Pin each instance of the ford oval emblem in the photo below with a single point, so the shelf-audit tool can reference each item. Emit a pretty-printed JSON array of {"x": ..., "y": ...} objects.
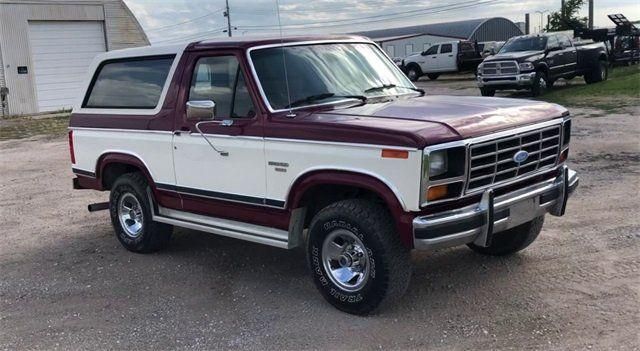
[{"x": 520, "y": 156}]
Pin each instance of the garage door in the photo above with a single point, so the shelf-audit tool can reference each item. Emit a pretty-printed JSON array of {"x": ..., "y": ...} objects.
[{"x": 62, "y": 52}]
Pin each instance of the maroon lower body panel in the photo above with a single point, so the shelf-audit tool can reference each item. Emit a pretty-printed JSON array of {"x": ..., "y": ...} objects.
[{"x": 259, "y": 215}]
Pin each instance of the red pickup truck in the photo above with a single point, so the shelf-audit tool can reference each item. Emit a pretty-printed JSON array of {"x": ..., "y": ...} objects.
[{"x": 314, "y": 142}]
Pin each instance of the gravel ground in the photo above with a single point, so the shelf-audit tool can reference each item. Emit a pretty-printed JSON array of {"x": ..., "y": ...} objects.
[{"x": 65, "y": 282}]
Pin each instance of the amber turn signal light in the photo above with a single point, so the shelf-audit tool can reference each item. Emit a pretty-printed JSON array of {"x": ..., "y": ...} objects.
[
  {"x": 389, "y": 153},
  {"x": 437, "y": 192}
]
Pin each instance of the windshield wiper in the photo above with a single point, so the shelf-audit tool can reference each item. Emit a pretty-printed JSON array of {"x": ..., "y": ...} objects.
[
  {"x": 313, "y": 98},
  {"x": 389, "y": 86}
]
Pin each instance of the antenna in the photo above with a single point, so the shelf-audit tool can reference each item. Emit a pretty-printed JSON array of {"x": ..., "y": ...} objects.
[{"x": 284, "y": 62}]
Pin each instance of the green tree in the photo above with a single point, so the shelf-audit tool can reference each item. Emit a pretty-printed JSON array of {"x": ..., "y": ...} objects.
[{"x": 567, "y": 18}]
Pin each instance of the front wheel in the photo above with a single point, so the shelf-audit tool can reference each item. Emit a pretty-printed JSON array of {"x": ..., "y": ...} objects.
[
  {"x": 540, "y": 84},
  {"x": 413, "y": 72},
  {"x": 512, "y": 240},
  {"x": 356, "y": 258},
  {"x": 131, "y": 216}
]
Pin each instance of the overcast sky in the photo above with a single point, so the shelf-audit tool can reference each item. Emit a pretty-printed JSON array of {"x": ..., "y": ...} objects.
[{"x": 169, "y": 20}]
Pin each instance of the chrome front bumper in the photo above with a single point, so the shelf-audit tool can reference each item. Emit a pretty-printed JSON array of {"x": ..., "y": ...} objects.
[
  {"x": 524, "y": 79},
  {"x": 477, "y": 223}
]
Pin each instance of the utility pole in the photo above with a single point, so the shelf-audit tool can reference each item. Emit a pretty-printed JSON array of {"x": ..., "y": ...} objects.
[
  {"x": 542, "y": 18},
  {"x": 562, "y": 9},
  {"x": 228, "y": 16},
  {"x": 526, "y": 23},
  {"x": 590, "y": 14}
]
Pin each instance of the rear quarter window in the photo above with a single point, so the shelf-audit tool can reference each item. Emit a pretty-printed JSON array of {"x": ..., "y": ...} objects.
[{"x": 133, "y": 83}]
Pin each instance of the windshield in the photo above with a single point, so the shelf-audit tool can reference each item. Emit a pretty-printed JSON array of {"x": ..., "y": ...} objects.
[
  {"x": 323, "y": 73},
  {"x": 525, "y": 44}
]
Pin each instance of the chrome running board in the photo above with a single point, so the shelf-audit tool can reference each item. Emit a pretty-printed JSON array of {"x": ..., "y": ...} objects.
[{"x": 225, "y": 227}]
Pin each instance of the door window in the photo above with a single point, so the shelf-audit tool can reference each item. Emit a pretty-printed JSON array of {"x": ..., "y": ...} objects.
[
  {"x": 432, "y": 50},
  {"x": 553, "y": 42},
  {"x": 220, "y": 79},
  {"x": 565, "y": 42},
  {"x": 446, "y": 48}
]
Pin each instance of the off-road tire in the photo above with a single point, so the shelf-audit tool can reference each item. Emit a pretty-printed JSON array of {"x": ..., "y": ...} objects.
[
  {"x": 487, "y": 92},
  {"x": 389, "y": 260},
  {"x": 598, "y": 74},
  {"x": 512, "y": 240},
  {"x": 153, "y": 236},
  {"x": 540, "y": 84},
  {"x": 433, "y": 76}
]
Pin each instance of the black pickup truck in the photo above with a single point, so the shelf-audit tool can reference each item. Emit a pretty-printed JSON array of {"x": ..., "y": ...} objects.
[{"x": 535, "y": 62}]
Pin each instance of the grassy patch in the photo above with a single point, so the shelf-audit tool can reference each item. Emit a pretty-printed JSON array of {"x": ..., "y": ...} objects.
[
  {"x": 622, "y": 89},
  {"x": 25, "y": 127}
]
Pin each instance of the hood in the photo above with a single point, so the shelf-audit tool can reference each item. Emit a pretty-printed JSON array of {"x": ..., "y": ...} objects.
[
  {"x": 518, "y": 55},
  {"x": 464, "y": 117}
]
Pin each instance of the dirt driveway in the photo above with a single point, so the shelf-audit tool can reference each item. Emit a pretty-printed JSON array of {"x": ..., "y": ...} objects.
[{"x": 65, "y": 282}]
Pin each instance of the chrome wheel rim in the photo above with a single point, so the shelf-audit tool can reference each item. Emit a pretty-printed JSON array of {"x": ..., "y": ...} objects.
[
  {"x": 130, "y": 215},
  {"x": 542, "y": 84},
  {"x": 345, "y": 259}
]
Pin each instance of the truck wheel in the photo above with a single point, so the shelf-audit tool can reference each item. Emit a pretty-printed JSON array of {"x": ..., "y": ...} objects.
[
  {"x": 355, "y": 255},
  {"x": 487, "y": 92},
  {"x": 599, "y": 74},
  {"x": 540, "y": 84},
  {"x": 433, "y": 76},
  {"x": 512, "y": 240},
  {"x": 131, "y": 214},
  {"x": 413, "y": 73}
]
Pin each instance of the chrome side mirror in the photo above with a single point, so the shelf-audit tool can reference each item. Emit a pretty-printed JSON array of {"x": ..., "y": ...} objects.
[{"x": 201, "y": 110}]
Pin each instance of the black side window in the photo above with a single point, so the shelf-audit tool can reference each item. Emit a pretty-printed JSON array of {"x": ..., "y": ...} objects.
[
  {"x": 432, "y": 50},
  {"x": 565, "y": 42},
  {"x": 553, "y": 42},
  {"x": 220, "y": 79},
  {"x": 129, "y": 83},
  {"x": 446, "y": 48}
]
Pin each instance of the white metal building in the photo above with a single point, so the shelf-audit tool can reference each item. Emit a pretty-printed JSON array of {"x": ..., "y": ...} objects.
[
  {"x": 401, "y": 42},
  {"x": 47, "y": 46}
]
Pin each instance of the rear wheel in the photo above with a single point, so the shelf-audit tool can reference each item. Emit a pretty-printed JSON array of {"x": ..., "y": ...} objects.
[
  {"x": 356, "y": 258},
  {"x": 540, "y": 84},
  {"x": 512, "y": 240},
  {"x": 413, "y": 72},
  {"x": 433, "y": 76},
  {"x": 487, "y": 92},
  {"x": 131, "y": 216},
  {"x": 598, "y": 74}
]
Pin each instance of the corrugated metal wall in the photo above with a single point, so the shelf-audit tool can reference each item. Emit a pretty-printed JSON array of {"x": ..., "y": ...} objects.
[
  {"x": 496, "y": 29},
  {"x": 121, "y": 30}
]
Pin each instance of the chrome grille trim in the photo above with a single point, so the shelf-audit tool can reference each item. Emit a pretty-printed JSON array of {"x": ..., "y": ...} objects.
[
  {"x": 424, "y": 183},
  {"x": 499, "y": 68},
  {"x": 491, "y": 162}
]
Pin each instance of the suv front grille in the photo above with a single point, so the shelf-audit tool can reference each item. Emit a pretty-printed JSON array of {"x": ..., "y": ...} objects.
[
  {"x": 492, "y": 162},
  {"x": 499, "y": 68}
]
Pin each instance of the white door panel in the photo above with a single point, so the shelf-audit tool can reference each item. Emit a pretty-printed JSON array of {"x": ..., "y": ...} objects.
[
  {"x": 401, "y": 175},
  {"x": 199, "y": 166}
]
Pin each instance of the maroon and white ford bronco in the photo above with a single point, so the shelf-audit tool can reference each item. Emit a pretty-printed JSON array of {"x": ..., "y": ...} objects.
[{"x": 314, "y": 142}]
